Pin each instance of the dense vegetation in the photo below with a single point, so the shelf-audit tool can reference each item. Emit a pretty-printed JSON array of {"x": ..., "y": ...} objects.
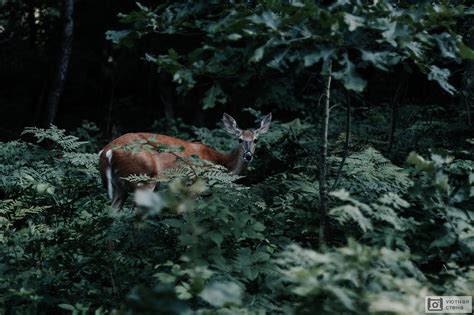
[{"x": 360, "y": 199}]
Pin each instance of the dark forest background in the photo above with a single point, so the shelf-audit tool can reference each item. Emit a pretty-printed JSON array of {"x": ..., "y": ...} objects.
[{"x": 120, "y": 91}]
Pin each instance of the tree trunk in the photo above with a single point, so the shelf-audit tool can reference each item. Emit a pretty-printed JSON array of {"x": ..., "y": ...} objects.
[
  {"x": 62, "y": 64},
  {"x": 32, "y": 24},
  {"x": 393, "y": 126},
  {"x": 323, "y": 189},
  {"x": 394, "y": 115},
  {"x": 166, "y": 91},
  {"x": 467, "y": 93}
]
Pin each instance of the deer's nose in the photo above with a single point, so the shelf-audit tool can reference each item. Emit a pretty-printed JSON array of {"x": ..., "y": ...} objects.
[{"x": 248, "y": 156}]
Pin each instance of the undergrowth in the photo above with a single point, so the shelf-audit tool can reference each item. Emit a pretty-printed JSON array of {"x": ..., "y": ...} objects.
[{"x": 210, "y": 243}]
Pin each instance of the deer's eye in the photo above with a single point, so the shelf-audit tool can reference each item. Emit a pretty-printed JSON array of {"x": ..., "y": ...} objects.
[{"x": 240, "y": 140}]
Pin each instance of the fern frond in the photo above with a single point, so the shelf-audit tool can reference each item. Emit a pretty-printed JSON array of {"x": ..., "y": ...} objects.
[
  {"x": 370, "y": 172},
  {"x": 15, "y": 210},
  {"x": 58, "y": 136}
]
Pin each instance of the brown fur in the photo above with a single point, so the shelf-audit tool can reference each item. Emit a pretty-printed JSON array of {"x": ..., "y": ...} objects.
[{"x": 150, "y": 162}]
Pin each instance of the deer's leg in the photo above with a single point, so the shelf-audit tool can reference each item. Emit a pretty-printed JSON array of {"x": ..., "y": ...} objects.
[
  {"x": 119, "y": 199},
  {"x": 148, "y": 187}
]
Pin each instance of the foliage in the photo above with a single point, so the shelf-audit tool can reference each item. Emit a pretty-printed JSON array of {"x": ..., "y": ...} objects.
[
  {"x": 445, "y": 193},
  {"x": 217, "y": 247},
  {"x": 354, "y": 279},
  {"x": 270, "y": 38},
  {"x": 369, "y": 173},
  {"x": 394, "y": 283},
  {"x": 207, "y": 242}
]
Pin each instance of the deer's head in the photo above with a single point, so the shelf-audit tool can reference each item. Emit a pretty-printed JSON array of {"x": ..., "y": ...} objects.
[{"x": 247, "y": 138}]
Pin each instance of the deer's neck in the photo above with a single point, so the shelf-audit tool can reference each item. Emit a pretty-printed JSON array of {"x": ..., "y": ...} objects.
[{"x": 233, "y": 161}]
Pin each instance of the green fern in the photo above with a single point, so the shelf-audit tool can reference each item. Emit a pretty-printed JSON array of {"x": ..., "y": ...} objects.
[
  {"x": 58, "y": 136},
  {"x": 86, "y": 161},
  {"x": 15, "y": 210},
  {"x": 213, "y": 174},
  {"x": 369, "y": 173}
]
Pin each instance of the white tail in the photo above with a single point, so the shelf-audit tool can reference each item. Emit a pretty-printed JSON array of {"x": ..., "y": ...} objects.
[
  {"x": 117, "y": 162},
  {"x": 108, "y": 173}
]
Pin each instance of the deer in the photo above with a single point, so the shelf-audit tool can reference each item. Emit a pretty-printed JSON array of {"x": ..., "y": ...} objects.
[{"x": 117, "y": 163}]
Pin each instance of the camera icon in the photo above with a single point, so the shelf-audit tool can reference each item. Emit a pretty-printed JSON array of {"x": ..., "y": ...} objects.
[{"x": 435, "y": 304}]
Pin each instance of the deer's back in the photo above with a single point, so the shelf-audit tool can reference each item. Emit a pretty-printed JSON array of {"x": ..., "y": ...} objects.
[{"x": 135, "y": 153}]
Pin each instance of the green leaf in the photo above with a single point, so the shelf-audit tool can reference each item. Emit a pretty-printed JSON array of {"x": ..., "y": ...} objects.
[
  {"x": 297, "y": 3},
  {"x": 353, "y": 21},
  {"x": 213, "y": 96},
  {"x": 234, "y": 36},
  {"x": 268, "y": 18},
  {"x": 447, "y": 45},
  {"x": 416, "y": 50},
  {"x": 216, "y": 237},
  {"x": 150, "y": 58},
  {"x": 441, "y": 76},
  {"x": 446, "y": 240},
  {"x": 351, "y": 213},
  {"x": 173, "y": 54},
  {"x": 349, "y": 76},
  {"x": 315, "y": 57},
  {"x": 43, "y": 187},
  {"x": 341, "y": 194},
  {"x": 221, "y": 294},
  {"x": 395, "y": 31},
  {"x": 119, "y": 37},
  {"x": 258, "y": 54},
  {"x": 342, "y": 296},
  {"x": 465, "y": 52},
  {"x": 381, "y": 60},
  {"x": 420, "y": 163},
  {"x": 185, "y": 77},
  {"x": 165, "y": 277},
  {"x": 259, "y": 227},
  {"x": 260, "y": 256},
  {"x": 467, "y": 244},
  {"x": 142, "y": 7},
  {"x": 442, "y": 182},
  {"x": 68, "y": 307}
]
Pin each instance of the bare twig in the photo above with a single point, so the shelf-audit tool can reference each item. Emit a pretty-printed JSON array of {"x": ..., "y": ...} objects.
[
  {"x": 338, "y": 105},
  {"x": 394, "y": 114},
  {"x": 468, "y": 109},
  {"x": 319, "y": 101},
  {"x": 114, "y": 288}
]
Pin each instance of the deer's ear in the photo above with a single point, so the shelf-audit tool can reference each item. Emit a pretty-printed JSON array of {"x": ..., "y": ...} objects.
[
  {"x": 230, "y": 125},
  {"x": 264, "y": 125}
]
